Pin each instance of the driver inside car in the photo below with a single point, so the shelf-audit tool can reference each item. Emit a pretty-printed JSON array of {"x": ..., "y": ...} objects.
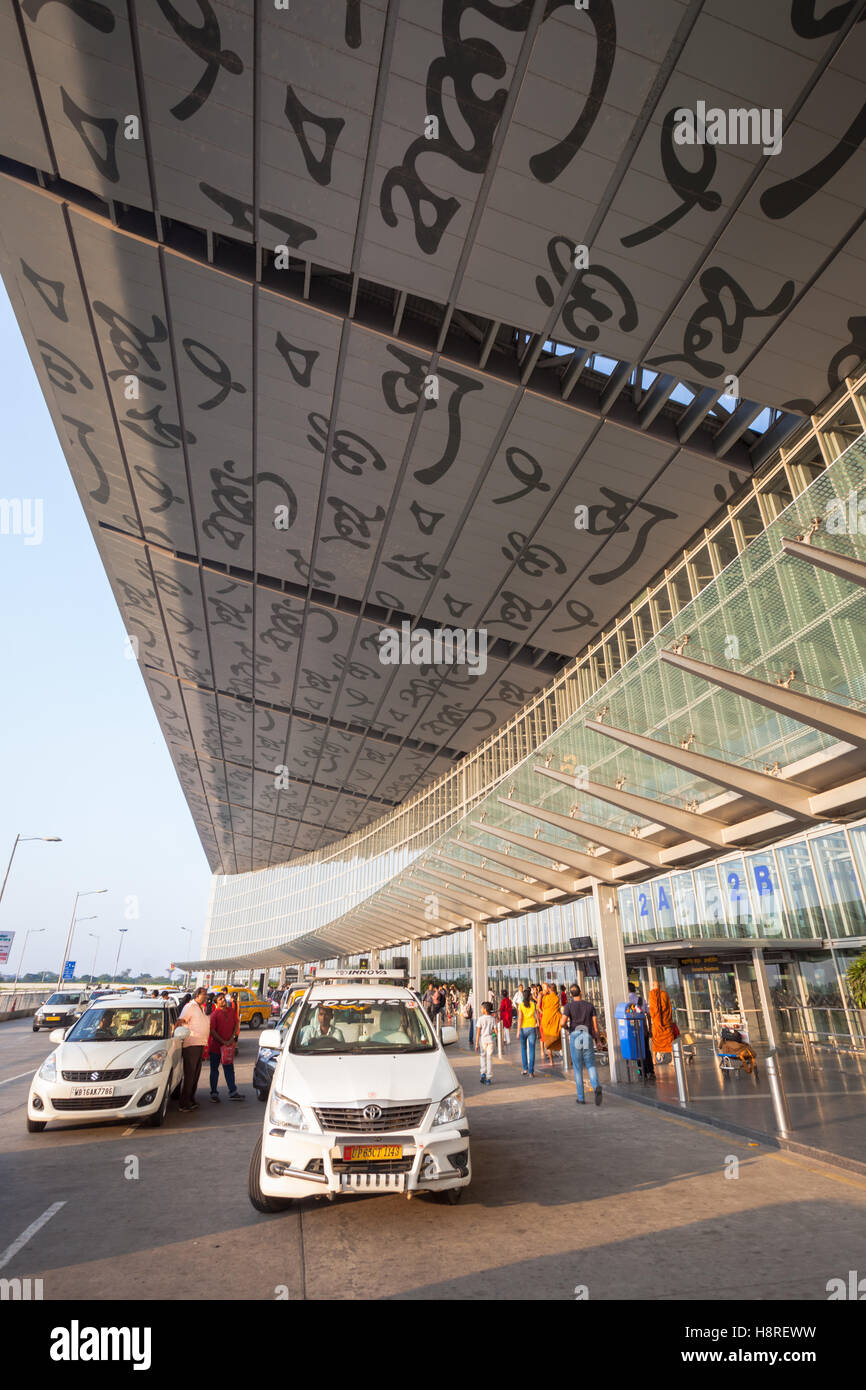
[{"x": 322, "y": 1026}]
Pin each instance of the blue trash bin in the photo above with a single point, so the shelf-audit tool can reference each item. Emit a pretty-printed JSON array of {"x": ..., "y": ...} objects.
[{"x": 629, "y": 1028}]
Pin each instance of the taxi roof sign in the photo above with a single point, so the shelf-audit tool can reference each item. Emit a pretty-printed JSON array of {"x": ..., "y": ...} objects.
[{"x": 327, "y": 975}]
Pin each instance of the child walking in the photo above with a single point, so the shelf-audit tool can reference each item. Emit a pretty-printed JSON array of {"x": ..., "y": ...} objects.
[{"x": 484, "y": 1042}]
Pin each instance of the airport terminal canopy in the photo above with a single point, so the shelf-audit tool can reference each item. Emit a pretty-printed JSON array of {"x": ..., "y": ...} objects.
[{"x": 351, "y": 316}]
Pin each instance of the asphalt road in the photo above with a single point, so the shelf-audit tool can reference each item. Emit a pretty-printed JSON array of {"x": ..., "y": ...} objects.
[{"x": 619, "y": 1201}]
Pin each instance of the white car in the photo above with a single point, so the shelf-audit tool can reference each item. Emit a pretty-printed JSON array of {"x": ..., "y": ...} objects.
[
  {"x": 363, "y": 1098},
  {"x": 120, "y": 1061}
]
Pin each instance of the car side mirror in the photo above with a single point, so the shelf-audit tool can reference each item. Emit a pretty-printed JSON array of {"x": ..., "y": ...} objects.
[
  {"x": 449, "y": 1035},
  {"x": 181, "y": 1032},
  {"x": 57, "y": 1035},
  {"x": 271, "y": 1037}
]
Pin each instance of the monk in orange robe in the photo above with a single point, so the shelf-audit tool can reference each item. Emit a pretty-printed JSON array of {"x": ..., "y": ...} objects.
[
  {"x": 551, "y": 1021},
  {"x": 661, "y": 1014}
]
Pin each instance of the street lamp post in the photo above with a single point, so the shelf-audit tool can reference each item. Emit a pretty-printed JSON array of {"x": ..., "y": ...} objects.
[
  {"x": 49, "y": 839},
  {"x": 31, "y": 931},
  {"x": 188, "y": 931},
  {"x": 119, "y": 944},
  {"x": 93, "y": 962},
  {"x": 89, "y": 894}
]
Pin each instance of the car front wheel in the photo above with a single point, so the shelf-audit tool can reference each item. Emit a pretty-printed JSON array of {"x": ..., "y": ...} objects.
[
  {"x": 36, "y": 1027},
  {"x": 158, "y": 1116},
  {"x": 260, "y": 1200},
  {"x": 256, "y": 1021}
]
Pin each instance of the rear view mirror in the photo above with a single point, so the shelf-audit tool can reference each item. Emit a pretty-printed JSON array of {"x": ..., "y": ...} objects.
[
  {"x": 271, "y": 1037},
  {"x": 449, "y": 1035},
  {"x": 182, "y": 1031},
  {"x": 57, "y": 1035}
]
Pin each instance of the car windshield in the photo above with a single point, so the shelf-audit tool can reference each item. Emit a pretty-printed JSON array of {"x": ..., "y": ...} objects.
[
  {"x": 62, "y": 999},
  {"x": 119, "y": 1024},
  {"x": 362, "y": 1026}
]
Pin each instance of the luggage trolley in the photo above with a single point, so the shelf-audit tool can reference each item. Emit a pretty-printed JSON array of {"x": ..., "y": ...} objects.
[{"x": 731, "y": 1061}]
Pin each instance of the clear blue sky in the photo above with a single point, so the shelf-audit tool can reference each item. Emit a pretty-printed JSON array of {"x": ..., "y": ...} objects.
[{"x": 81, "y": 753}]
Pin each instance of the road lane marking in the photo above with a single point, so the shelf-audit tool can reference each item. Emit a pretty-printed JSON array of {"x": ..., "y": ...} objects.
[
  {"x": 33, "y": 1229},
  {"x": 7, "y": 1079},
  {"x": 131, "y": 1130}
]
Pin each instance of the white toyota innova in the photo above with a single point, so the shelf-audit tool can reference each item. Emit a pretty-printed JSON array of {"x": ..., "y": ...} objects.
[{"x": 363, "y": 1098}]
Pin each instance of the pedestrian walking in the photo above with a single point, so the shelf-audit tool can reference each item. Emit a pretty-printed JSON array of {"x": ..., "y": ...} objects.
[
  {"x": 551, "y": 1022},
  {"x": 469, "y": 1015},
  {"x": 193, "y": 1016},
  {"x": 224, "y": 1032},
  {"x": 484, "y": 1042},
  {"x": 506, "y": 1017},
  {"x": 582, "y": 1023},
  {"x": 527, "y": 1022},
  {"x": 663, "y": 1024}
]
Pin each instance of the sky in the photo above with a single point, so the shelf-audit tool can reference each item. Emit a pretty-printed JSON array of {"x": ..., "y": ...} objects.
[{"x": 81, "y": 753}]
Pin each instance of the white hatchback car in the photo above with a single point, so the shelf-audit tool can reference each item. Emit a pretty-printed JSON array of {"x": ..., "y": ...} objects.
[
  {"x": 363, "y": 1098},
  {"x": 120, "y": 1061}
]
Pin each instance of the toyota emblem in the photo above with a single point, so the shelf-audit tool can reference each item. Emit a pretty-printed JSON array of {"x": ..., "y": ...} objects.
[{"x": 372, "y": 1112}]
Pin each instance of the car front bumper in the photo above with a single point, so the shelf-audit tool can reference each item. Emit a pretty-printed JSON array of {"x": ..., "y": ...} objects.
[
  {"x": 302, "y": 1165},
  {"x": 58, "y": 1102}
]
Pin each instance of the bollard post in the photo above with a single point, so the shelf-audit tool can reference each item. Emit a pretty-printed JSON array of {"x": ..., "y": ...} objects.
[
  {"x": 777, "y": 1091},
  {"x": 680, "y": 1071},
  {"x": 565, "y": 1035},
  {"x": 499, "y": 1041},
  {"x": 439, "y": 1026}
]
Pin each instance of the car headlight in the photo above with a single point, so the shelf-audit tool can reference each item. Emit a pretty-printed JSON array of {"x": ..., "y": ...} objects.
[
  {"x": 450, "y": 1109},
  {"x": 155, "y": 1062},
  {"x": 285, "y": 1113},
  {"x": 48, "y": 1070}
]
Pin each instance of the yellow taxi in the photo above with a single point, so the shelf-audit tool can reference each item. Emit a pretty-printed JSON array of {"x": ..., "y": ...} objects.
[{"x": 250, "y": 1008}]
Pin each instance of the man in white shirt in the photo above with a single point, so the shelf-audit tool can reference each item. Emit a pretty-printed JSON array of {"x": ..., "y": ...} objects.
[{"x": 193, "y": 1016}]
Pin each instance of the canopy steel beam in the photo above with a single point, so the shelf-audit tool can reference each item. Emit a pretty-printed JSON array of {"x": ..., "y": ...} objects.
[
  {"x": 403, "y": 913},
  {"x": 459, "y": 914},
  {"x": 843, "y": 566},
  {"x": 583, "y": 863},
  {"x": 461, "y": 889},
  {"x": 554, "y": 878},
  {"x": 838, "y": 721},
  {"x": 690, "y": 823},
  {"x": 655, "y": 399},
  {"x": 696, "y": 412},
  {"x": 783, "y": 796},
  {"x": 628, "y": 845},
  {"x": 513, "y": 887},
  {"x": 395, "y": 919}
]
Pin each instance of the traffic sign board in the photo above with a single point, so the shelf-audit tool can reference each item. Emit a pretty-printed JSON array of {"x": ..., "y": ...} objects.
[{"x": 69, "y": 970}]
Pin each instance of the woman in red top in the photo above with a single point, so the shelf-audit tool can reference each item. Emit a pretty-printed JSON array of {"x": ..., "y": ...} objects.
[
  {"x": 506, "y": 1016},
  {"x": 224, "y": 1030}
]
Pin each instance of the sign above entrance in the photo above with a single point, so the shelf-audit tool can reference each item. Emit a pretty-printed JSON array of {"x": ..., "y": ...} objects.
[{"x": 700, "y": 965}]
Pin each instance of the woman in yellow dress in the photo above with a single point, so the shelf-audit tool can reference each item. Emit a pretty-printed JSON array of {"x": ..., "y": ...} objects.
[{"x": 527, "y": 1022}]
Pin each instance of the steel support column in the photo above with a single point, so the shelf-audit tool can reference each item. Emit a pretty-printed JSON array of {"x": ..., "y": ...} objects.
[
  {"x": 479, "y": 967},
  {"x": 765, "y": 997},
  {"x": 614, "y": 975}
]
